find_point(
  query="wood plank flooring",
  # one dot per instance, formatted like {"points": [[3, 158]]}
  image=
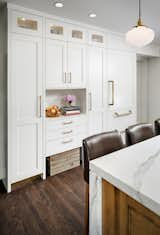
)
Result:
{"points": [[51, 207]]}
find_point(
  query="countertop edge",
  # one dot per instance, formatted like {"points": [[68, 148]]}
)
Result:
{"points": [[130, 191]]}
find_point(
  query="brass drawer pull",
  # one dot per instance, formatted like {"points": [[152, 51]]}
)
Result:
{"points": [[67, 132], [67, 123], [122, 114], [67, 141]]}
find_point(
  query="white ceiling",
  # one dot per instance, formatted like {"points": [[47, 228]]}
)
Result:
{"points": [[115, 15]]}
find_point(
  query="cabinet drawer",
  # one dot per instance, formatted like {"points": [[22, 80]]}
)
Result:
{"points": [[26, 23], [53, 125], [56, 29], [68, 132], [64, 144], [120, 119]]}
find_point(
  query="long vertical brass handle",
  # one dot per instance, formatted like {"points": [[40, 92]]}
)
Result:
{"points": [[111, 92], [90, 101], [40, 106], [65, 77]]}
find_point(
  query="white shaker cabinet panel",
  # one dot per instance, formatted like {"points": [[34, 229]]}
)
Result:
{"points": [[120, 120], [65, 64], [95, 76], [76, 61], [25, 107], [122, 71], [119, 90], [24, 23], [56, 30], [95, 95], [94, 123], [56, 71]]}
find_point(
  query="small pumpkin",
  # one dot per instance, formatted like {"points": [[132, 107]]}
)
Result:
{"points": [[52, 111]]}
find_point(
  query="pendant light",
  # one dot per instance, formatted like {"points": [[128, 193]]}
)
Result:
{"points": [[140, 35]]}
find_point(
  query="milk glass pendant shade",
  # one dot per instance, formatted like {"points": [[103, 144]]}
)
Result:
{"points": [[140, 35]]}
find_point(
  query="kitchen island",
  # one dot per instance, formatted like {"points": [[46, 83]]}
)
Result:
{"points": [[125, 192]]}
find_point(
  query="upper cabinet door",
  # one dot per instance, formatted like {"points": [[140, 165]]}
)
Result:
{"points": [[95, 102], [95, 57], [25, 107], [97, 39], [76, 60], [76, 34], [56, 75], [56, 29], [24, 23], [122, 76]]}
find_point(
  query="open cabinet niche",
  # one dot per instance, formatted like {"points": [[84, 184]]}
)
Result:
{"points": [[148, 88], [56, 97]]}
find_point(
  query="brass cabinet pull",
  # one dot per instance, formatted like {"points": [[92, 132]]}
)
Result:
{"points": [[70, 77], [67, 141], [90, 101], [111, 92], [67, 123], [65, 77], [67, 132], [40, 106], [116, 114]]}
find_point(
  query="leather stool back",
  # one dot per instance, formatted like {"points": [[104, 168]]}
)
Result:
{"points": [[157, 126], [98, 146], [139, 133]]}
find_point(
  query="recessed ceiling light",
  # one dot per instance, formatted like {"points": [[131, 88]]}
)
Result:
{"points": [[59, 4], [92, 15]]}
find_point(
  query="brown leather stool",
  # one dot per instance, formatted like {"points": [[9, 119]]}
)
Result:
{"points": [[157, 126], [138, 133], [94, 147]]}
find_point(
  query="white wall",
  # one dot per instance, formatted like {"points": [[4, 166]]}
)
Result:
{"points": [[148, 89], [3, 89], [142, 90], [154, 89]]}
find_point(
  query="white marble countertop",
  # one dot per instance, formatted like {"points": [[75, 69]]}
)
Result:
{"points": [[135, 171]]}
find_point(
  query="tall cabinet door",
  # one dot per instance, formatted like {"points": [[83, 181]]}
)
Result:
{"points": [[56, 74], [120, 82], [25, 109], [76, 57], [95, 94]]}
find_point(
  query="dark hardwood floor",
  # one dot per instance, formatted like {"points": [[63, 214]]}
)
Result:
{"points": [[51, 207]]}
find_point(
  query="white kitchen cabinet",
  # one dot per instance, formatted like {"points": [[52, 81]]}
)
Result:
{"points": [[56, 30], [120, 87], [95, 92], [65, 64], [76, 60], [64, 133], [122, 71], [56, 67], [24, 23], [77, 34], [97, 38], [25, 107], [69, 57]]}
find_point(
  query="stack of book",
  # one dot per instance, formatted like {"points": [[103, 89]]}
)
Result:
{"points": [[70, 110]]}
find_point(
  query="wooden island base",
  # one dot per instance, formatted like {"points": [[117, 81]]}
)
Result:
{"points": [[122, 215]]}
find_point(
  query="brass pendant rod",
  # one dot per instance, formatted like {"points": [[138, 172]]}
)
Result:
{"points": [[139, 23]]}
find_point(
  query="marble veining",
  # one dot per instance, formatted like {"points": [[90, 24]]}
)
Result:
{"points": [[143, 168], [95, 204]]}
